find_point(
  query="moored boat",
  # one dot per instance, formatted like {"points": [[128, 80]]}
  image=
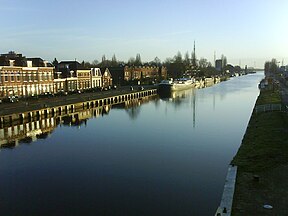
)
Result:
{"points": [[177, 84]]}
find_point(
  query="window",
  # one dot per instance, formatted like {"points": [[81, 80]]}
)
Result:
{"points": [[6, 77], [18, 76]]}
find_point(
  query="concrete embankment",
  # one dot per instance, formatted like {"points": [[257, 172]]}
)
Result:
{"points": [[225, 206], [28, 109]]}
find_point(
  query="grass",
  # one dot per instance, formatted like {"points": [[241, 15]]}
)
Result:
{"points": [[263, 152], [269, 96]]}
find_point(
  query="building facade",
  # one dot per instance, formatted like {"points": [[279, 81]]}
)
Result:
{"points": [[144, 72], [84, 79], [106, 77], [25, 77], [96, 78]]}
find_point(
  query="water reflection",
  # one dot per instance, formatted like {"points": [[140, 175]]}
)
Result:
{"points": [[154, 164], [13, 135], [176, 96]]}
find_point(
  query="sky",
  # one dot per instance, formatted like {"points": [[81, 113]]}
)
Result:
{"points": [[245, 31]]}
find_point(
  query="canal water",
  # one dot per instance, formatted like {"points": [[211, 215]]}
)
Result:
{"points": [[164, 156]]}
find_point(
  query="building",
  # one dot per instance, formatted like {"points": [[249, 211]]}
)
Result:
{"points": [[84, 79], [106, 77], [219, 65], [23, 77], [96, 78], [66, 73], [144, 72], [163, 73], [118, 75]]}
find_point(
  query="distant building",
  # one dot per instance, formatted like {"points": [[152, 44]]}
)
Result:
{"points": [[144, 72], [219, 65]]}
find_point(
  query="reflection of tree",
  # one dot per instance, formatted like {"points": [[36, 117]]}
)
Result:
{"points": [[133, 112], [133, 108]]}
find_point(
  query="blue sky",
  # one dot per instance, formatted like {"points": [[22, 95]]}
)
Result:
{"points": [[246, 31]]}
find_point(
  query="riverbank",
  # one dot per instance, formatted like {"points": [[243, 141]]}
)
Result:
{"points": [[26, 105], [262, 161]]}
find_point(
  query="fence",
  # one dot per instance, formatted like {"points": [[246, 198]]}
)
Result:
{"points": [[268, 107]]}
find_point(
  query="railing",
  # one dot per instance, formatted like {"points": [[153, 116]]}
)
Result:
{"points": [[268, 108]]}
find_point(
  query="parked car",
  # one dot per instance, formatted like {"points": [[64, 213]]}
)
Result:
{"points": [[11, 99]]}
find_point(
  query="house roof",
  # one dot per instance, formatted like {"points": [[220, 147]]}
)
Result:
{"points": [[105, 69]]}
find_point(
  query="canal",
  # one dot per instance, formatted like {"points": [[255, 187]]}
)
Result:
{"points": [[164, 155]]}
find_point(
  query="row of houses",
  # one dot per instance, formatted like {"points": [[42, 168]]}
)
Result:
{"points": [[24, 77]]}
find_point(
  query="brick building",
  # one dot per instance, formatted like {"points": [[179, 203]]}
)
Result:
{"points": [[144, 72], [21, 76]]}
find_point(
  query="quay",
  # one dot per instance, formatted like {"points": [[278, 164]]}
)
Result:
{"points": [[56, 106]]}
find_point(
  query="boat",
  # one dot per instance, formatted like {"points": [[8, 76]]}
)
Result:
{"points": [[177, 84]]}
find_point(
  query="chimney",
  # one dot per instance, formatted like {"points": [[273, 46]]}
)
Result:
{"points": [[11, 63], [29, 64]]}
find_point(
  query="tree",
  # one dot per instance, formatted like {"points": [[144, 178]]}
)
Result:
{"points": [[178, 58], [114, 61], [103, 63], [273, 66], [55, 62], [157, 61], [168, 61], [86, 65], [131, 61], [224, 61], [138, 60], [203, 63], [186, 60], [95, 62], [267, 66]]}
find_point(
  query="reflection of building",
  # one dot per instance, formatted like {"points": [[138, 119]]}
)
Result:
{"points": [[27, 127], [27, 132], [21, 76]]}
